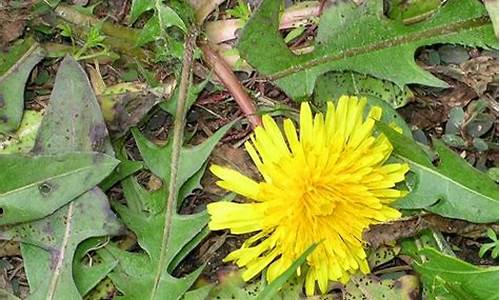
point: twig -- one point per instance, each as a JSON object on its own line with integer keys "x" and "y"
{"x": 233, "y": 85}
{"x": 180, "y": 116}
{"x": 73, "y": 16}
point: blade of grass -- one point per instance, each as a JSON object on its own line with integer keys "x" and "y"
{"x": 272, "y": 289}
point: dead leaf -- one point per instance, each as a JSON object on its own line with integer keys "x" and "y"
{"x": 459, "y": 96}
{"x": 12, "y": 21}
{"x": 479, "y": 72}
{"x": 384, "y": 233}
{"x": 9, "y": 248}
{"x": 203, "y": 8}
{"x": 230, "y": 157}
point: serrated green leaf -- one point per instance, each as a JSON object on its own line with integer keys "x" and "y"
{"x": 193, "y": 92}
{"x": 145, "y": 213}
{"x": 452, "y": 189}
{"x": 53, "y": 241}
{"x": 12, "y": 84}
{"x": 49, "y": 244}
{"x": 361, "y": 39}
{"x": 26, "y": 195}
{"x": 87, "y": 275}
{"x": 157, "y": 159}
{"x": 447, "y": 277}
{"x": 123, "y": 170}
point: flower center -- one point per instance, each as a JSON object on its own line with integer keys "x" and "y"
{"x": 318, "y": 200}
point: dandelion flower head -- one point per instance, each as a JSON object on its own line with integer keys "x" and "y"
{"x": 325, "y": 185}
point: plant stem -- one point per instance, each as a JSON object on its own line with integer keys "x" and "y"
{"x": 180, "y": 116}
{"x": 233, "y": 85}
{"x": 71, "y": 15}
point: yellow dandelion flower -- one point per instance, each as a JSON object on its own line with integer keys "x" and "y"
{"x": 325, "y": 185}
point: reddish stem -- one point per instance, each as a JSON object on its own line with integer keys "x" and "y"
{"x": 232, "y": 84}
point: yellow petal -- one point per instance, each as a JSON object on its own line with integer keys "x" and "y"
{"x": 236, "y": 182}
{"x": 306, "y": 124}
{"x": 237, "y": 217}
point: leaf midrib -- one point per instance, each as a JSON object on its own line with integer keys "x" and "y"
{"x": 384, "y": 44}
{"x": 494, "y": 270}
{"x": 54, "y": 280}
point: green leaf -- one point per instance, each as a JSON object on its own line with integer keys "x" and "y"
{"x": 15, "y": 53}
{"x": 330, "y": 86}
{"x": 78, "y": 124}
{"x": 295, "y": 33}
{"x": 485, "y": 248}
{"x": 492, "y": 7}
{"x": 124, "y": 169}
{"x": 370, "y": 287}
{"x": 52, "y": 243}
{"x": 139, "y": 7}
{"x": 157, "y": 159}
{"x": 193, "y": 92}
{"x": 361, "y": 39}
{"x": 24, "y": 138}
{"x": 145, "y": 213}
{"x": 12, "y": 84}
{"x": 163, "y": 18}
{"x": 491, "y": 234}
{"x": 453, "y": 140}
{"x": 168, "y": 17}
{"x": 452, "y": 189}
{"x": 412, "y": 11}
{"x": 27, "y": 195}
{"x": 88, "y": 275}
{"x": 447, "y": 277}
{"x": 150, "y": 32}
{"x": 494, "y": 252}
{"x": 382, "y": 255}
{"x": 49, "y": 244}
{"x": 199, "y": 293}
{"x": 351, "y": 83}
